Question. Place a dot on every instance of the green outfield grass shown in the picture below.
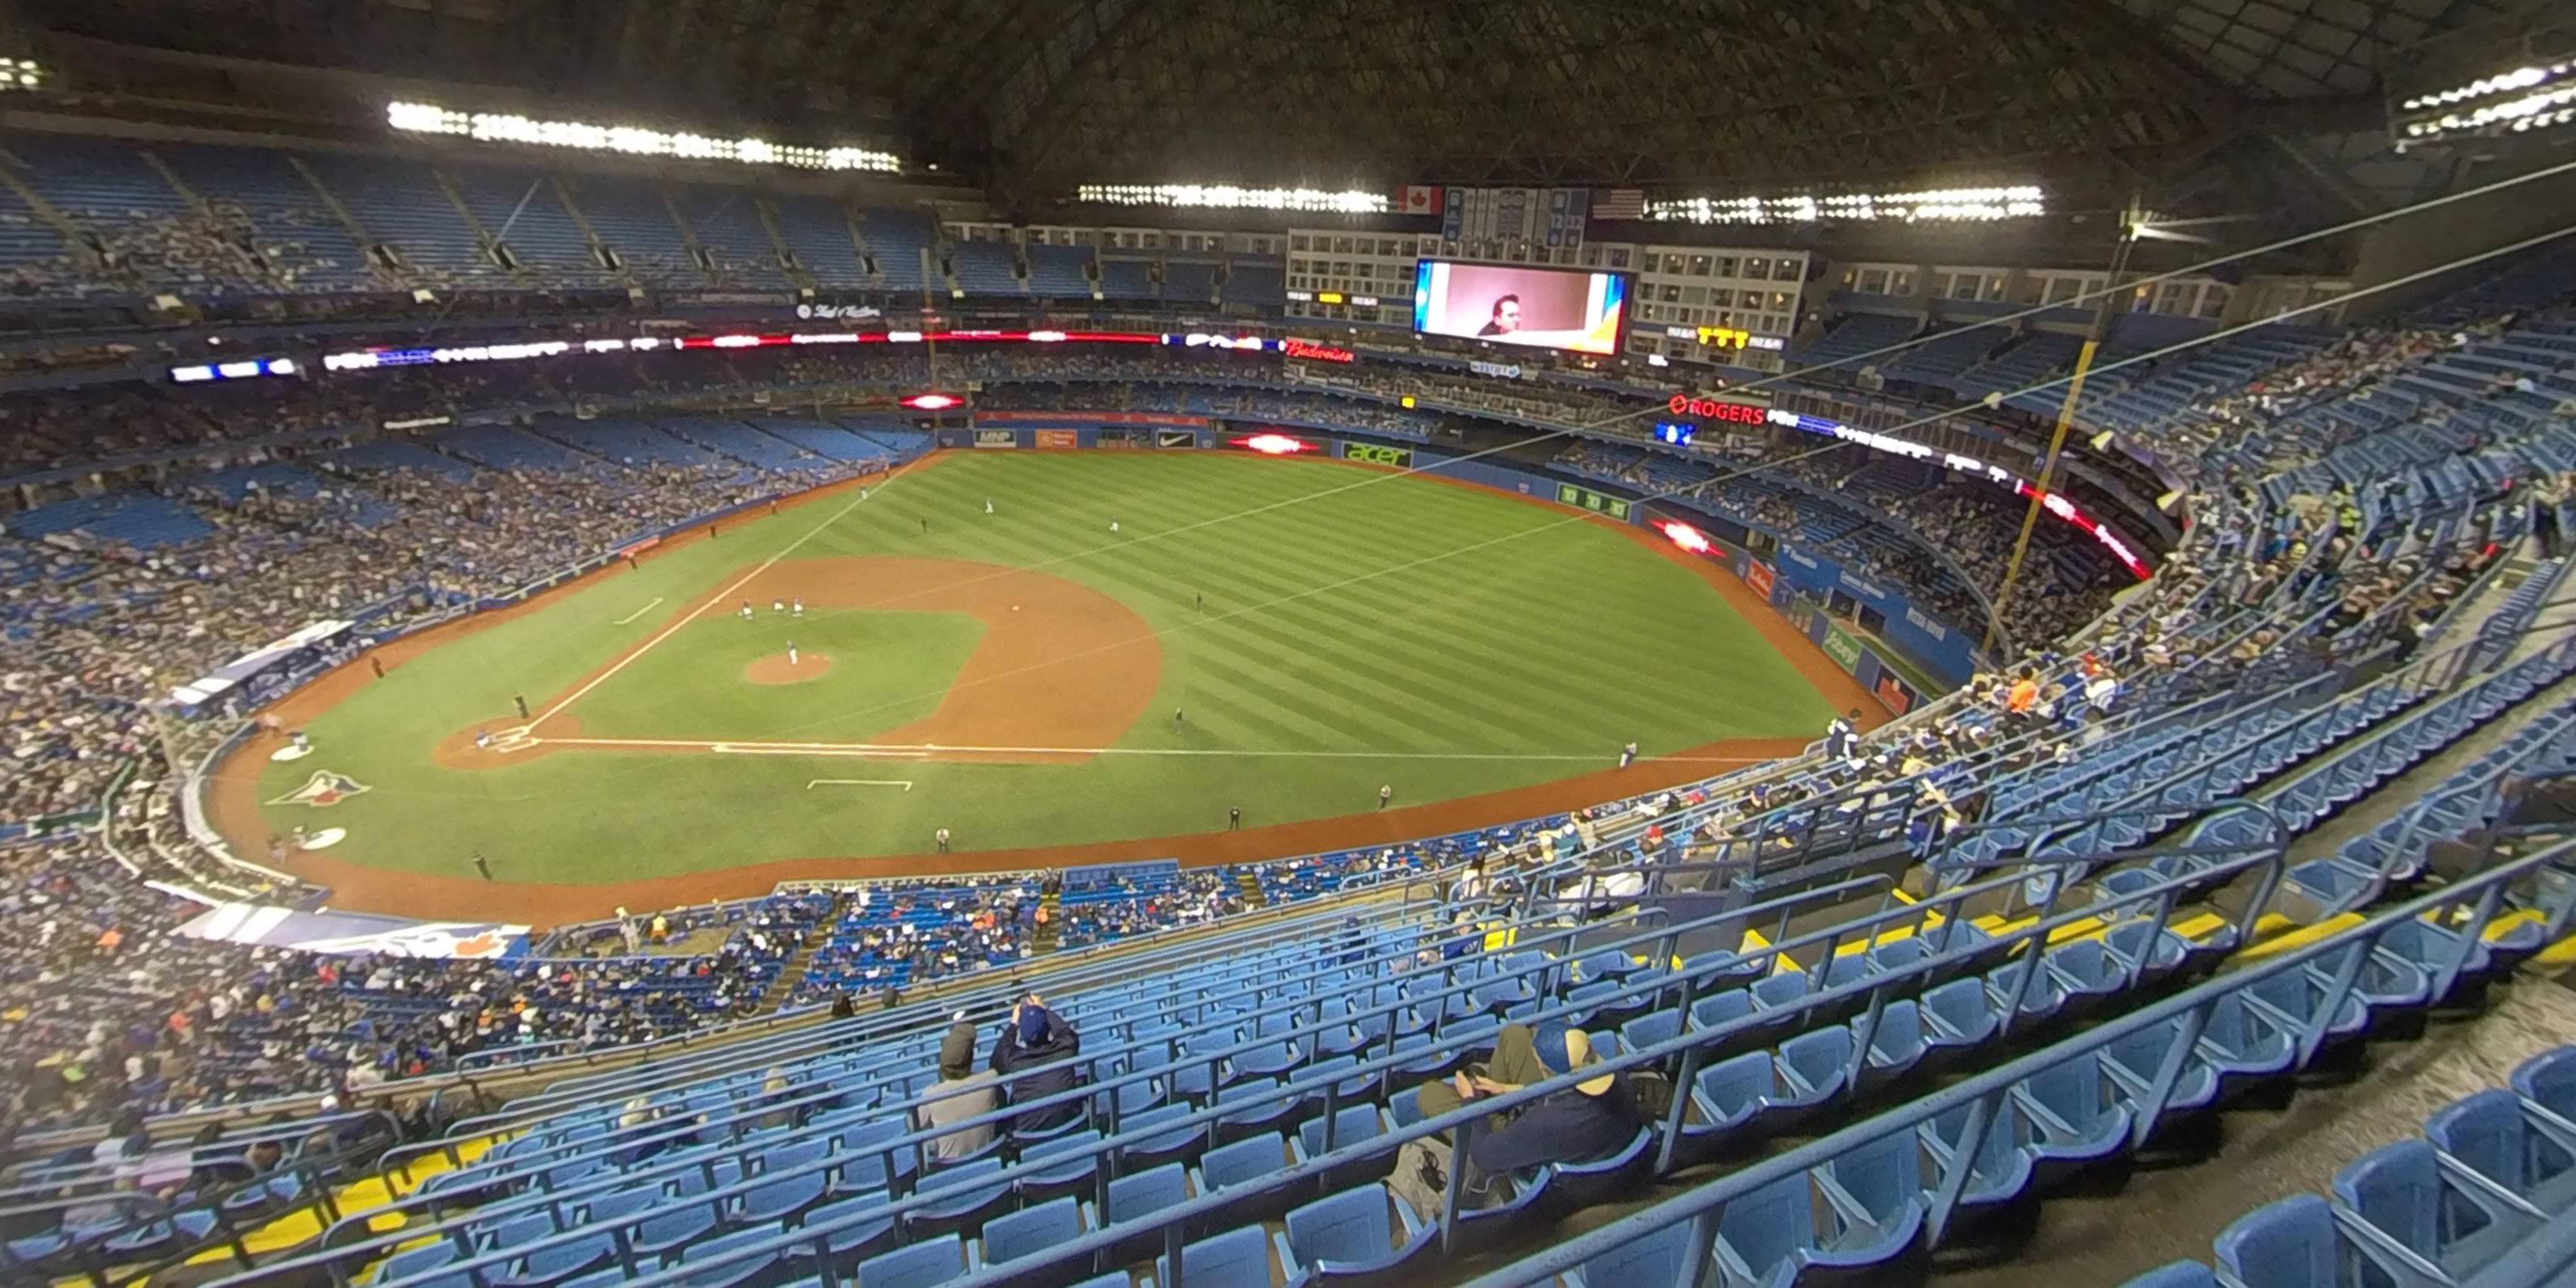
(1443, 639)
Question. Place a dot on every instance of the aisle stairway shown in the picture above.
(1049, 934)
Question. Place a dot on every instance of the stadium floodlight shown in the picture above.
(1932, 205)
(634, 140)
(1230, 197)
(2539, 96)
(21, 74)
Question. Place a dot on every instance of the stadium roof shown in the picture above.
(1038, 95)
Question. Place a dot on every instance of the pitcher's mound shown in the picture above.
(775, 670)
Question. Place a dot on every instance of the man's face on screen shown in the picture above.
(1507, 316)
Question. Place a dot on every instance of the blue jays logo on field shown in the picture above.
(322, 790)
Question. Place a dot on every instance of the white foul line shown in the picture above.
(923, 751)
(714, 599)
(633, 615)
(904, 783)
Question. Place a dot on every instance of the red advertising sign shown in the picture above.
(1893, 694)
(1058, 439)
(1296, 348)
(1757, 574)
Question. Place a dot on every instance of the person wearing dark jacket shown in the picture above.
(1589, 1121)
(1037, 1051)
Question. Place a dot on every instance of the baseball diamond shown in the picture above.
(1326, 628)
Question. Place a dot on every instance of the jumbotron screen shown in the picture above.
(1545, 308)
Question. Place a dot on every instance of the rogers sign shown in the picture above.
(1296, 348)
(1712, 409)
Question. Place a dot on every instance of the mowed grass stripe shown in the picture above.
(1392, 657)
(1347, 612)
(1323, 725)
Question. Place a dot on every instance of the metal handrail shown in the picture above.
(915, 1141)
(2339, 957)
(1875, 989)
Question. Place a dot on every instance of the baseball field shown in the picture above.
(1283, 638)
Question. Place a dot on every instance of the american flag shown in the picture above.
(1619, 203)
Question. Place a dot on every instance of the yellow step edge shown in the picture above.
(358, 1196)
(2512, 921)
(2200, 925)
(2275, 934)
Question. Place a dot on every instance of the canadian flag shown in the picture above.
(1418, 199)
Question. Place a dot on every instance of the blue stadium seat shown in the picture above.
(965, 1211)
(1031, 1230)
(741, 1271)
(2490, 1133)
(2401, 1190)
(1350, 1236)
(1234, 1259)
(2294, 1243)
(925, 1264)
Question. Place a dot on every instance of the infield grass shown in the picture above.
(1360, 629)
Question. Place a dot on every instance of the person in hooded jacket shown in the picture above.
(1037, 1051)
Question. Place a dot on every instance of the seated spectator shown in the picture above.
(962, 1092)
(1591, 1120)
(1038, 1040)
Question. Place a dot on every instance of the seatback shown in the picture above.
(1147, 1191)
(1238, 1258)
(1884, 1174)
(1735, 1087)
(1350, 1126)
(1649, 1259)
(2486, 1131)
(2549, 1080)
(2397, 1188)
(2071, 1089)
(1032, 1230)
(1770, 1225)
(926, 1264)
(1243, 1162)
(2288, 1244)
(1350, 1226)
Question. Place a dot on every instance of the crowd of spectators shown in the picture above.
(107, 1006)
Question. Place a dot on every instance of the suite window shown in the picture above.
(1901, 283)
(1787, 270)
(1873, 281)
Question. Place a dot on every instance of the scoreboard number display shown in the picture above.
(1583, 498)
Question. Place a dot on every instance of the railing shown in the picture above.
(89, 1260)
(1662, 940)
(1875, 990)
(2339, 958)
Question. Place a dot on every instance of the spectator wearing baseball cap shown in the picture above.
(962, 1092)
(1037, 1039)
(1591, 1120)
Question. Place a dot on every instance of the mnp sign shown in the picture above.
(997, 438)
